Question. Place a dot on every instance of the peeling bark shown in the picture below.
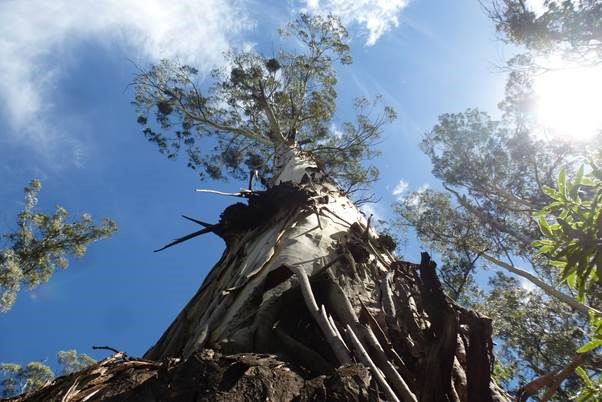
(307, 281)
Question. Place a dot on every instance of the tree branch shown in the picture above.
(549, 290)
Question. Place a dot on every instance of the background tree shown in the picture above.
(16, 379)
(42, 242)
(573, 28)
(32, 252)
(498, 174)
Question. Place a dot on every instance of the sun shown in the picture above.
(569, 101)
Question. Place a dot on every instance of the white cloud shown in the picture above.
(375, 16)
(400, 188)
(39, 40)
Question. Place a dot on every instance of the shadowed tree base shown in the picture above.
(208, 375)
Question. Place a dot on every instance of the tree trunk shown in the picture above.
(305, 279)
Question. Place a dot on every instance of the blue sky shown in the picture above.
(66, 118)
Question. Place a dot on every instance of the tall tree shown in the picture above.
(304, 276)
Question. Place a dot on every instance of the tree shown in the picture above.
(570, 27)
(497, 174)
(518, 314)
(42, 242)
(571, 228)
(304, 278)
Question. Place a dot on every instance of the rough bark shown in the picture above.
(307, 281)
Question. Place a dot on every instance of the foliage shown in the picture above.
(497, 173)
(572, 240)
(591, 390)
(18, 380)
(573, 27)
(42, 242)
(72, 362)
(258, 104)
(572, 232)
(448, 230)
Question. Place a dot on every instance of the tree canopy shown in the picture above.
(256, 105)
(571, 27)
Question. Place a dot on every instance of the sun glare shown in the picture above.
(569, 101)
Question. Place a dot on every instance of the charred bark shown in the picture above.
(305, 280)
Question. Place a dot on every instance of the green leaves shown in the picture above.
(568, 27)
(41, 243)
(572, 242)
(591, 390)
(590, 346)
(72, 362)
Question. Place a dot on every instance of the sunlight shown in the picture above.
(569, 101)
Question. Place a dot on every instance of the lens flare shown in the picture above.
(569, 101)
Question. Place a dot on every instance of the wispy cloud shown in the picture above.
(38, 38)
(375, 17)
(400, 188)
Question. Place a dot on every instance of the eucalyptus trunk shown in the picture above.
(305, 277)
(307, 285)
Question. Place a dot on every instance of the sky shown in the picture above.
(66, 118)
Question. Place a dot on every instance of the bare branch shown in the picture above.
(550, 291)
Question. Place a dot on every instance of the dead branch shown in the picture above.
(241, 194)
(108, 348)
